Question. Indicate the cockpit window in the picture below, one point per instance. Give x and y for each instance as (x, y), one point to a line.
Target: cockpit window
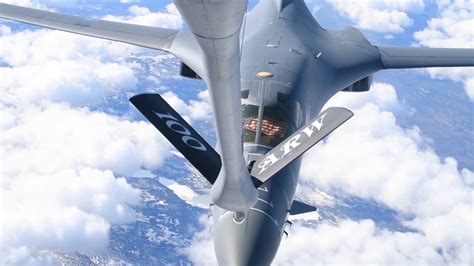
(249, 122)
(276, 126)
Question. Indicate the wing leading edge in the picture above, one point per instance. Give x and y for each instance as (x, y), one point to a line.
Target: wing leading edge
(150, 37)
(415, 57)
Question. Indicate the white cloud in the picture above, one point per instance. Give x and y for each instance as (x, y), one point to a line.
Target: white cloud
(34, 47)
(313, 6)
(56, 66)
(81, 83)
(186, 194)
(67, 211)
(469, 87)
(139, 11)
(453, 28)
(355, 243)
(57, 186)
(374, 158)
(182, 191)
(201, 249)
(56, 131)
(195, 110)
(27, 3)
(30, 193)
(143, 16)
(381, 94)
(396, 167)
(4, 30)
(60, 162)
(379, 15)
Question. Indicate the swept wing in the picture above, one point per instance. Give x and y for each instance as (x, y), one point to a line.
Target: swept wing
(415, 57)
(180, 43)
(150, 37)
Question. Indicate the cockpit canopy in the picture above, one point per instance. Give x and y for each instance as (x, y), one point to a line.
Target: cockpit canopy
(268, 127)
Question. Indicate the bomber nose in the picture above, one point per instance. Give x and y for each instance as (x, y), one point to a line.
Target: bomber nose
(249, 238)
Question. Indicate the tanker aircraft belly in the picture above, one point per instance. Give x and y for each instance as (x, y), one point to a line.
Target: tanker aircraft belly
(269, 72)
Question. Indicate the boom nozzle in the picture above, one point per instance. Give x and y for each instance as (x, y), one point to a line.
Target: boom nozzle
(234, 193)
(215, 25)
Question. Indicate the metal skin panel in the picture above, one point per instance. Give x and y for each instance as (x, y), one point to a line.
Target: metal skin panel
(253, 242)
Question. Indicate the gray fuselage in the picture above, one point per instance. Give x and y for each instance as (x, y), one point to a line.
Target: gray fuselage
(282, 68)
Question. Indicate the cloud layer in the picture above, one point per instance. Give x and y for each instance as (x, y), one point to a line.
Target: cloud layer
(48, 65)
(27, 3)
(395, 167)
(355, 243)
(144, 16)
(58, 177)
(452, 28)
(379, 15)
(61, 164)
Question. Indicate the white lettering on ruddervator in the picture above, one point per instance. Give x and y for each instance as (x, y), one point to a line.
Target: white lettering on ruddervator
(291, 144)
(267, 162)
(186, 135)
(316, 124)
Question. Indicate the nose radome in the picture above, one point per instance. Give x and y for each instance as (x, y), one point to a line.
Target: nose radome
(252, 241)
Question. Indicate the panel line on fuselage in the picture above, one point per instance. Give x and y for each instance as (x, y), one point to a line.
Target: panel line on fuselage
(268, 215)
(266, 202)
(286, 196)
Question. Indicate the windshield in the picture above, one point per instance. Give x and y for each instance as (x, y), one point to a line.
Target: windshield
(275, 125)
(249, 122)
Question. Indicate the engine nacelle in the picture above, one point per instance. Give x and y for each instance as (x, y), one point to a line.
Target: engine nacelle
(361, 85)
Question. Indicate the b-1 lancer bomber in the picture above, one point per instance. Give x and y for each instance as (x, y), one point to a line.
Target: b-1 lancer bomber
(269, 72)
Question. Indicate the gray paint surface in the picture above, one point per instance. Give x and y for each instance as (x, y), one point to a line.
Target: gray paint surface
(308, 65)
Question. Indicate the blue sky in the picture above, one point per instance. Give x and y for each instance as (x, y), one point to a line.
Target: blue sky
(414, 128)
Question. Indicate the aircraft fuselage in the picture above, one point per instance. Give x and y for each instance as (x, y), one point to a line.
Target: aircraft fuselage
(281, 70)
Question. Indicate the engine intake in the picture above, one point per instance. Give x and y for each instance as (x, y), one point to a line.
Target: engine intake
(361, 85)
(187, 72)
